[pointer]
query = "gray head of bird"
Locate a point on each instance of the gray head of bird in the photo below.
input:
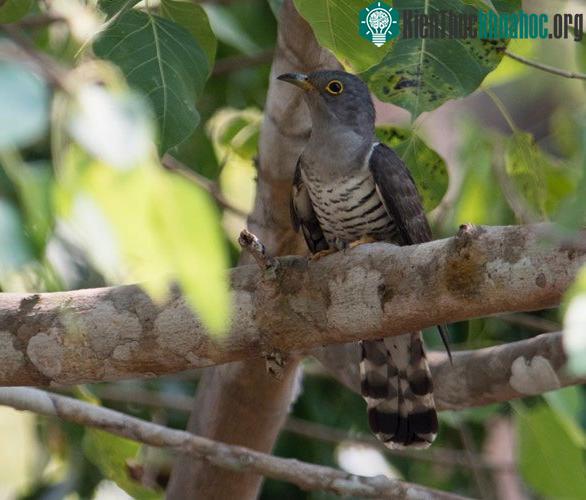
(335, 99)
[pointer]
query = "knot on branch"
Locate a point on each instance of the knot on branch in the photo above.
(255, 247)
(467, 233)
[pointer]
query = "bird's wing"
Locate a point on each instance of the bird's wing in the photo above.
(399, 194)
(303, 216)
(402, 201)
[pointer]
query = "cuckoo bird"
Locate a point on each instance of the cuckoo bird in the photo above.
(348, 188)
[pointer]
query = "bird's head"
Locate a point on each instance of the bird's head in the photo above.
(335, 98)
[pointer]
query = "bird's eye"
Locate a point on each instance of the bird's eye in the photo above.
(335, 87)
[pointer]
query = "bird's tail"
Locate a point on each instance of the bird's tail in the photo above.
(396, 383)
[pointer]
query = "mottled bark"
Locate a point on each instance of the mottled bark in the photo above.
(373, 290)
(479, 377)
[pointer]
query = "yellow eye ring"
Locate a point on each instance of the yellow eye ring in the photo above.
(334, 87)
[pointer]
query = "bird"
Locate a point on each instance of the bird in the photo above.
(348, 188)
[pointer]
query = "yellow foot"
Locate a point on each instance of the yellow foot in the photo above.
(362, 241)
(322, 253)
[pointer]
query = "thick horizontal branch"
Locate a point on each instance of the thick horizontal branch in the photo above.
(480, 377)
(367, 292)
(236, 458)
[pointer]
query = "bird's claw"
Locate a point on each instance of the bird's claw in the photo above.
(362, 241)
(322, 253)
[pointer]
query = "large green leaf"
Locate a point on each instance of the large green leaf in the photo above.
(550, 459)
(426, 166)
(165, 228)
(335, 25)
(12, 10)
(420, 74)
(541, 182)
(195, 20)
(163, 60)
(24, 112)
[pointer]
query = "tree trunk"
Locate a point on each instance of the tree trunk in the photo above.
(241, 403)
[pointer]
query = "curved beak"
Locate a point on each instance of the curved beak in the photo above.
(298, 79)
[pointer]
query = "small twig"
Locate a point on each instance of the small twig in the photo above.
(153, 399)
(235, 63)
(236, 458)
(544, 67)
(482, 483)
(39, 21)
(254, 246)
(174, 165)
(529, 321)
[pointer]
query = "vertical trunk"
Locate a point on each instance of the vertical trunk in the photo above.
(240, 403)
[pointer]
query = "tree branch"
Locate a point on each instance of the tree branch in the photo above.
(312, 430)
(479, 377)
(174, 165)
(373, 290)
(544, 67)
(306, 476)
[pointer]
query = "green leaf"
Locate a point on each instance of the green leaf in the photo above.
(550, 460)
(568, 401)
(112, 7)
(229, 30)
(13, 10)
(34, 183)
(426, 166)
(166, 230)
(25, 120)
(481, 200)
(542, 183)
(421, 74)
(235, 130)
(163, 60)
(195, 20)
(335, 24)
(113, 455)
(15, 251)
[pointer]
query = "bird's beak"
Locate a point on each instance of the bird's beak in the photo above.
(298, 79)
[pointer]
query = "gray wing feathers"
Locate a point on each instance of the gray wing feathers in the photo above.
(399, 194)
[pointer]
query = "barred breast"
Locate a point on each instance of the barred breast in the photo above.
(349, 208)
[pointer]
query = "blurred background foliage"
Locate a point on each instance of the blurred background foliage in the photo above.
(93, 94)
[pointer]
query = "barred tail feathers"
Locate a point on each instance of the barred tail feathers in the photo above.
(396, 383)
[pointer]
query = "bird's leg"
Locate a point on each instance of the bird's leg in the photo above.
(322, 253)
(362, 241)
